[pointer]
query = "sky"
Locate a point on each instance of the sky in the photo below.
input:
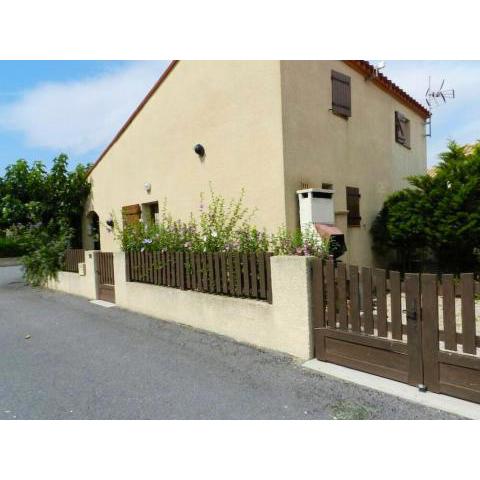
(76, 107)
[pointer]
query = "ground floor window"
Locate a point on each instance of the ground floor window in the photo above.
(353, 207)
(150, 212)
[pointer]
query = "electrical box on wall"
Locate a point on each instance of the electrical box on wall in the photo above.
(316, 209)
(316, 206)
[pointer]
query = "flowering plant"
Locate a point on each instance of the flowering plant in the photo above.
(221, 227)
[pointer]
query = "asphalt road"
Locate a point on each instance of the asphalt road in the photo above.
(83, 361)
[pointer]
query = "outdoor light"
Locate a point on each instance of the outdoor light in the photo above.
(148, 187)
(199, 150)
(110, 222)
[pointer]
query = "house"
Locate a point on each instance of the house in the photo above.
(270, 127)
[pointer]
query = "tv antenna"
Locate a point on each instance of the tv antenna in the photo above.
(435, 98)
(376, 69)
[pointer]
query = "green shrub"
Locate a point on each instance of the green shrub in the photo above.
(9, 247)
(44, 248)
(437, 216)
(298, 242)
(222, 227)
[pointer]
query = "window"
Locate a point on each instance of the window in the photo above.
(341, 95)
(131, 214)
(150, 212)
(353, 207)
(402, 129)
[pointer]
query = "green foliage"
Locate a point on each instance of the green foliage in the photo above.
(30, 194)
(298, 242)
(42, 210)
(221, 227)
(45, 248)
(437, 215)
(10, 247)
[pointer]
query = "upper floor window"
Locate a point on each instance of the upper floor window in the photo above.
(341, 94)
(402, 129)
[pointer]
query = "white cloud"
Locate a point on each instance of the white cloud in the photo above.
(458, 118)
(80, 116)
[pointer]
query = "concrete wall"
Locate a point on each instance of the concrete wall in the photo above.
(285, 325)
(76, 284)
(232, 108)
(321, 147)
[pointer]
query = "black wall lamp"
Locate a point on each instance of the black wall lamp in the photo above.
(109, 222)
(199, 150)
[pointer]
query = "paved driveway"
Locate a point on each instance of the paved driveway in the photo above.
(84, 361)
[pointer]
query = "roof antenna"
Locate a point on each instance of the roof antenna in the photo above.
(376, 69)
(435, 98)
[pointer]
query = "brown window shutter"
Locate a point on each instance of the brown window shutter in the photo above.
(341, 94)
(353, 207)
(131, 214)
(402, 129)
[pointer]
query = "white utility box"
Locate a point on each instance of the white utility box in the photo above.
(316, 206)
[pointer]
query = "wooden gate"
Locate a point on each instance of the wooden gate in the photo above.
(105, 276)
(420, 330)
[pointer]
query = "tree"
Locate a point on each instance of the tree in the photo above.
(29, 195)
(438, 214)
(43, 212)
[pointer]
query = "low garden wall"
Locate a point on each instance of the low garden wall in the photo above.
(82, 282)
(283, 325)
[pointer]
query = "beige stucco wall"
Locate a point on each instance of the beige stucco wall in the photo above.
(359, 152)
(266, 127)
(285, 325)
(76, 284)
(233, 108)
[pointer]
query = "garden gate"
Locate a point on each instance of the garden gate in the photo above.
(105, 276)
(420, 330)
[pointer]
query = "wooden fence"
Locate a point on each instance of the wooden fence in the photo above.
(232, 274)
(72, 258)
(420, 328)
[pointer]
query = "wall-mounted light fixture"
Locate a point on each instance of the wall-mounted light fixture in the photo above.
(109, 222)
(148, 187)
(199, 150)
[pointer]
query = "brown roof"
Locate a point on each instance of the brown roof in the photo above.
(388, 86)
(361, 66)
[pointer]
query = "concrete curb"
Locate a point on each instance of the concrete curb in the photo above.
(401, 390)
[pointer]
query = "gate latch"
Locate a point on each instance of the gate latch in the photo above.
(412, 315)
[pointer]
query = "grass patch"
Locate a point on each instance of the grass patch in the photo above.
(344, 410)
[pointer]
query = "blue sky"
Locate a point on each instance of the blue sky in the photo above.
(76, 107)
